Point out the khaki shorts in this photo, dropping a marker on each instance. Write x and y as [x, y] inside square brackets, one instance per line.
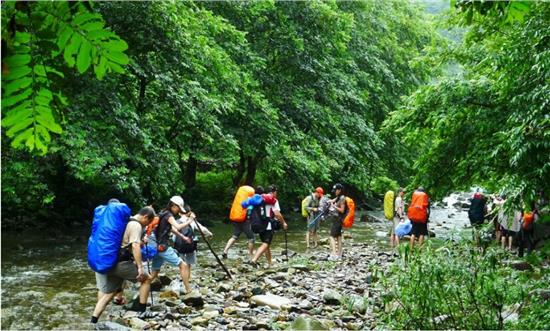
[110, 282]
[395, 222]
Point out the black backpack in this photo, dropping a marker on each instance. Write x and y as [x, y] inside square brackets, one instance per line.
[258, 218]
[181, 245]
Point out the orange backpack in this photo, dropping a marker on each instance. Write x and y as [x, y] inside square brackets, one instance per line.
[350, 216]
[528, 218]
[238, 213]
[418, 211]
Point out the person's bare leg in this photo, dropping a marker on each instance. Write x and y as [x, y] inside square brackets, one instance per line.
[333, 246]
[144, 291]
[315, 239]
[185, 272]
[340, 246]
[268, 256]
[261, 250]
[510, 239]
[230, 243]
[102, 304]
[412, 242]
[420, 240]
[251, 249]
[307, 239]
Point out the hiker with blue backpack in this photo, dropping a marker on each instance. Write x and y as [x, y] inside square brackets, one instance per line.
[114, 253]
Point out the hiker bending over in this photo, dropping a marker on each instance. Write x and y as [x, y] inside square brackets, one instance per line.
[266, 236]
[129, 266]
[161, 235]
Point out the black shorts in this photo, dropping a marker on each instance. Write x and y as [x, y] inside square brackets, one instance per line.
[336, 228]
[266, 236]
[419, 229]
[507, 233]
[243, 227]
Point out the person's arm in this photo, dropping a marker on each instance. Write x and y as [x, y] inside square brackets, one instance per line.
[280, 218]
[203, 229]
[176, 227]
[310, 208]
[136, 252]
[341, 206]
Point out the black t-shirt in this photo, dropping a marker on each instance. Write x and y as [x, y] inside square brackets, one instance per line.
[162, 232]
[477, 210]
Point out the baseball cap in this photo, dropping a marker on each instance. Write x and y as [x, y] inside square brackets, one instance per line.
[320, 191]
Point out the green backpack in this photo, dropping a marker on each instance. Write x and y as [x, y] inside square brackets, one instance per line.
[305, 203]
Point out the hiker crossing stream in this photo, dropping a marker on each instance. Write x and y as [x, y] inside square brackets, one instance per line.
[47, 284]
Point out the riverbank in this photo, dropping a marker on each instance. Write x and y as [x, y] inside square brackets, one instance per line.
[307, 290]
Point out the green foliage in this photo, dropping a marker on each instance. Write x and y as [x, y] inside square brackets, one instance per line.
[488, 124]
[36, 34]
[459, 287]
[382, 184]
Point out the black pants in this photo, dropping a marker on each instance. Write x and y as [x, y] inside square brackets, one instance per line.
[526, 237]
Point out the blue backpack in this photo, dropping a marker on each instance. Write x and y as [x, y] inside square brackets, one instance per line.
[107, 230]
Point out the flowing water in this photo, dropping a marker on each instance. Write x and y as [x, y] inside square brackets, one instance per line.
[47, 284]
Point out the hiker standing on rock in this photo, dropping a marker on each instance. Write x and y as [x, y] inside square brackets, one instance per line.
[272, 210]
[419, 212]
[167, 225]
[312, 209]
[339, 205]
[129, 266]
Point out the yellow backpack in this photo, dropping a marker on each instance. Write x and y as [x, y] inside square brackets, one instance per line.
[305, 202]
[388, 205]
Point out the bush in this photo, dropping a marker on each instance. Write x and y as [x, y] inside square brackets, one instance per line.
[460, 287]
[380, 185]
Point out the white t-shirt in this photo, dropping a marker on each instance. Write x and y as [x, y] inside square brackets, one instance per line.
[270, 211]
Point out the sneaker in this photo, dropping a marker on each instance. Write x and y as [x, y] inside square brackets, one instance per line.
[136, 306]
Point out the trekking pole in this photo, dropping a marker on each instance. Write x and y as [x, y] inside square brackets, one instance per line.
[211, 250]
[286, 246]
[149, 272]
[317, 217]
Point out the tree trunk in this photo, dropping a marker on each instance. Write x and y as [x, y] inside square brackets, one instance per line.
[251, 171]
[240, 169]
[191, 173]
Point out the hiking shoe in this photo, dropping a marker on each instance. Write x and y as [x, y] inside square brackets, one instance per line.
[254, 265]
[136, 306]
[224, 256]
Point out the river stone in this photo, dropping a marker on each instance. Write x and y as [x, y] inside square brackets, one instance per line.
[224, 287]
[112, 326]
[305, 304]
[519, 265]
[307, 323]
[194, 298]
[301, 267]
[201, 320]
[359, 306]
[230, 310]
[332, 297]
[168, 295]
[270, 300]
[137, 323]
[210, 314]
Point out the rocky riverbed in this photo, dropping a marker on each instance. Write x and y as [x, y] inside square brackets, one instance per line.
[306, 292]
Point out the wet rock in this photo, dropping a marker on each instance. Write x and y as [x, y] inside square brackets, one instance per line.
[257, 291]
[168, 295]
[332, 297]
[129, 314]
[137, 323]
[306, 304]
[270, 300]
[210, 314]
[381, 234]
[359, 306]
[112, 326]
[157, 308]
[307, 323]
[193, 299]
[230, 310]
[223, 288]
[184, 309]
[202, 321]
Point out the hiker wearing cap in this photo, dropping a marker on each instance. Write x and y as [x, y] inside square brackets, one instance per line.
[399, 216]
[339, 205]
[129, 266]
[312, 209]
[167, 225]
[273, 211]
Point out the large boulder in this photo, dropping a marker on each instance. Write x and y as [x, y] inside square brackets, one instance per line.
[270, 300]
[111, 326]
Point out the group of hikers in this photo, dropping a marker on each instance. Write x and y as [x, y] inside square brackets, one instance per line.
[121, 246]
[509, 224]
[129, 248]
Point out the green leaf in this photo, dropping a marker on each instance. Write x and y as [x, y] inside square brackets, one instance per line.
[12, 100]
[17, 73]
[39, 70]
[53, 71]
[64, 37]
[116, 68]
[71, 50]
[22, 136]
[100, 68]
[44, 133]
[21, 125]
[22, 37]
[62, 99]
[17, 85]
[82, 17]
[100, 34]
[17, 114]
[93, 26]
[30, 142]
[18, 60]
[117, 45]
[83, 59]
[117, 57]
